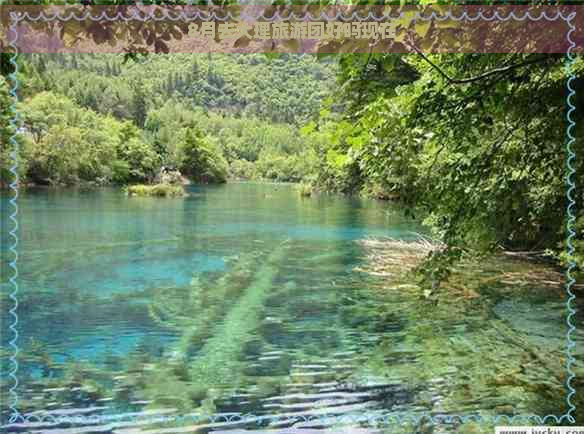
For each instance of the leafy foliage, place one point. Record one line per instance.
(475, 143)
(69, 144)
(6, 132)
(200, 159)
(249, 120)
(158, 190)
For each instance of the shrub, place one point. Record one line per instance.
(243, 169)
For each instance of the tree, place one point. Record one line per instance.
(140, 108)
(473, 143)
(6, 133)
(69, 144)
(200, 159)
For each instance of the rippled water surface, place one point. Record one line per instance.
(238, 299)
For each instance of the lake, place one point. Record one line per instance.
(246, 298)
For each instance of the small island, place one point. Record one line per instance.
(168, 183)
(156, 190)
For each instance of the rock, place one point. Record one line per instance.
(168, 175)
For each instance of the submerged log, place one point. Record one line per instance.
(217, 362)
(185, 381)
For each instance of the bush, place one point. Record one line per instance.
(6, 132)
(243, 169)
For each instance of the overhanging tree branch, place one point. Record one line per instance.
(480, 77)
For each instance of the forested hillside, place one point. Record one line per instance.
(210, 116)
(283, 89)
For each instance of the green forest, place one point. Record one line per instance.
(212, 117)
(473, 144)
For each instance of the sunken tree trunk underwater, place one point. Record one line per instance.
(224, 314)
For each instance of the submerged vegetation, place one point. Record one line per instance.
(413, 350)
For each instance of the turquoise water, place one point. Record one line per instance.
(86, 247)
(240, 298)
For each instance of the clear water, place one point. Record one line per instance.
(240, 298)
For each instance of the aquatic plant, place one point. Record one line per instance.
(391, 257)
(429, 347)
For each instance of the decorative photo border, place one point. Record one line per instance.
(17, 418)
